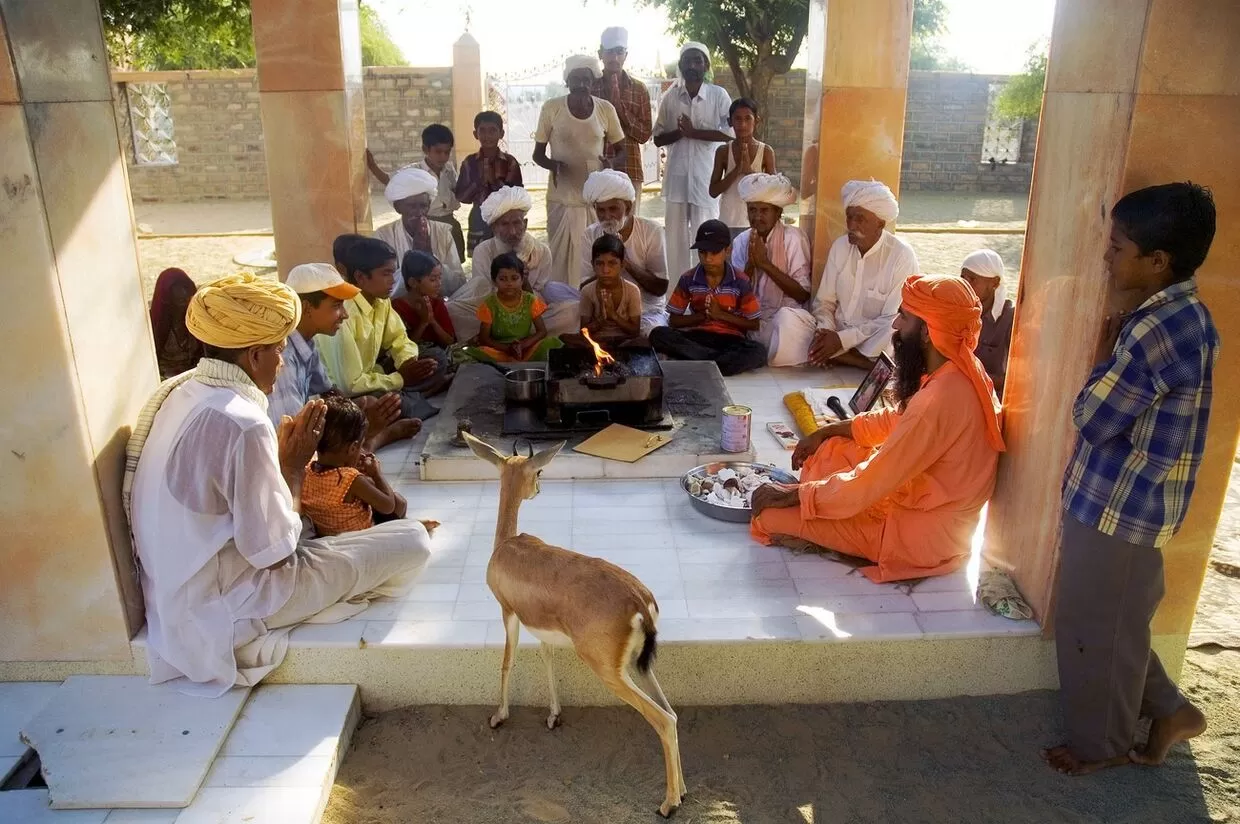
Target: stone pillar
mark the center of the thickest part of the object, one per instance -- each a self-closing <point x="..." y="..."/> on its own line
<point x="78" y="362"/>
<point x="855" y="90"/>
<point x="314" y="124"/>
<point x="1138" y="92"/>
<point x="468" y="93"/>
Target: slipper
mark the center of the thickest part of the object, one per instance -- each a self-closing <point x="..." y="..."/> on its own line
<point x="1000" y="595"/>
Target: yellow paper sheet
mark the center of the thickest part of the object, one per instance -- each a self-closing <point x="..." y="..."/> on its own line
<point x="622" y="443"/>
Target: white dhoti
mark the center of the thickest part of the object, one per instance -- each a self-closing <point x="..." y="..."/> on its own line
<point x="566" y="224"/>
<point x="652" y="320"/>
<point x="681" y="221"/>
<point x="792" y="332"/>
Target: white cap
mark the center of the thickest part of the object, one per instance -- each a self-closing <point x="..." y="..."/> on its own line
<point x="319" y="277"/>
<point x="615" y="37"/>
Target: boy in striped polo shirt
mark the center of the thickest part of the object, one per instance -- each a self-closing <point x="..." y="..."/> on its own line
<point x="1141" y="427"/>
<point x="712" y="309"/>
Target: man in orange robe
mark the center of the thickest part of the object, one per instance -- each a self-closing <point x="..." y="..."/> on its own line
<point x="902" y="488"/>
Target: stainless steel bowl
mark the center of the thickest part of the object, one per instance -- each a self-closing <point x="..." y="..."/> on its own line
<point x="525" y="385"/>
<point x="727" y="513"/>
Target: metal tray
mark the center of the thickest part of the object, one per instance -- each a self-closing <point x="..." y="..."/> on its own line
<point x="727" y="513"/>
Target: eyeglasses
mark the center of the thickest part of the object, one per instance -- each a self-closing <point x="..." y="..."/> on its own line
<point x="619" y="51"/>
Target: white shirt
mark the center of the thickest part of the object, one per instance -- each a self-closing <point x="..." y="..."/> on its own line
<point x="797" y="258"/>
<point x="211" y="514"/>
<point x="535" y="254"/>
<point x="577" y="141"/>
<point x="443" y="247"/>
<point x="860" y="296"/>
<point x="444" y="203"/>
<point x="690" y="162"/>
<point x="645" y="245"/>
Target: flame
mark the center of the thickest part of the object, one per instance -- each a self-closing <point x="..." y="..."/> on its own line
<point x="601" y="356"/>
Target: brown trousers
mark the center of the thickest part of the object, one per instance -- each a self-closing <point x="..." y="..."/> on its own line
<point x="1109" y="677"/>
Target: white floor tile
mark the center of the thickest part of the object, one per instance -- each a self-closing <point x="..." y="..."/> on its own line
<point x="730" y="629"/>
<point x="32" y="807"/>
<point x="810" y="568"/>
<point x="591" y="540"/>
<point x="956" y="582"/>
<point x="476" y="592"/>
<point x="432" y="592"/>
<point x="270" y="771"/>
<point x="249" y="805"/>
<point x="440" y="575"/>
<point x="347" y="634"/>
<point x="823" y="625"/>
<point x="476" y="611"/>
<point x="726" y="552"/>
<point x="861" y="603"/>
<point x="450" y="634"/>
<point x="771" y="570"/>
<point x="941" y="601"/>
<point x="847" y="585"/>
<point x="620" y="514"/>
<point x="742" y="607"/>
<point x="626" y="557"/>
<point x="973" y="623"/>
<point x="408" y="611"/>
<point x="714" y="590"/>
<point x="142" y="817"/>
<point x="19" y="702"/>
<point x="300" y="720"/>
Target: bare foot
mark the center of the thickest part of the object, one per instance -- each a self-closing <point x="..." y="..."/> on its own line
<point x="401" y="430"/>
<point x="431" y="526"/>
<point x="1185" y="723"/>
<point x="1063" y="761"/>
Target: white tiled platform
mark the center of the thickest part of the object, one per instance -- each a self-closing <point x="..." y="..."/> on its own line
<point x="278" y="763"/>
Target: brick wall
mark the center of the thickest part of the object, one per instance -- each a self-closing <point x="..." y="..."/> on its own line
<point x="784" y="118"/>
<point x="400" y="103"/>
<point x="944" y="121"/>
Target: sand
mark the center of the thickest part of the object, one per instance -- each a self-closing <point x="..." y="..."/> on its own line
<point x="965" y="759"/>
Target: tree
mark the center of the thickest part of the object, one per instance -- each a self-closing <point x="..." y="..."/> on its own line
<point x="1021" y="98"/>
<point x="207" y="34"/>
<point x="926" y="53"/>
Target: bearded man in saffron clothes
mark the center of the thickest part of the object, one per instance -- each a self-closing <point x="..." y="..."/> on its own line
<point x="902" y="487"/>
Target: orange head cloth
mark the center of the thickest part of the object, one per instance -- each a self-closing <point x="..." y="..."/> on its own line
<point x="954" y="316"/>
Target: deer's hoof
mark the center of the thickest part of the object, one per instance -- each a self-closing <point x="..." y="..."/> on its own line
<point x="497" y="720"/>
<point x="667" y="810"/>
<point x="553" y="721"/>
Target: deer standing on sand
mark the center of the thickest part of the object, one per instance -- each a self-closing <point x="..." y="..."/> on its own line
<point x="567" y="599"/>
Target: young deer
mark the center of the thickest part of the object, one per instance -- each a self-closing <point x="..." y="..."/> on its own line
<point x="568" y="599"/>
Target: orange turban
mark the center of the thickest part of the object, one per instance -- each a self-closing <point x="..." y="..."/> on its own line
<point x="954" y="316"/>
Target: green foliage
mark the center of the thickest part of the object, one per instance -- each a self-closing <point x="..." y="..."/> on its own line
<point x="1021" y="98"/>
<point x="926" y="52"/>
<point x="929" y="19"/>
<point x="156" y="35"/>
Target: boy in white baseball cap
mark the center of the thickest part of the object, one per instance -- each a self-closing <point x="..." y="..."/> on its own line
<point x="323" y="294"/>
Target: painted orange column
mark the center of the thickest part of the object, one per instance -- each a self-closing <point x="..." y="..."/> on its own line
<point x="79" y="362"/>
<point x="314" y="124"/>
<point x="855" y="91"/>
<point x="1161" y="102"/>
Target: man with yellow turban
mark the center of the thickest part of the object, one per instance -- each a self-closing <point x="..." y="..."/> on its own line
<point x="213" y="495"/>
<point x="410" y="191"/>
<point x="902" y="488"/>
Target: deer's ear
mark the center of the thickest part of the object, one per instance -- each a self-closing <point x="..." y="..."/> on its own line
<point x="484" y="450"/>
<point x="545" y="457"/>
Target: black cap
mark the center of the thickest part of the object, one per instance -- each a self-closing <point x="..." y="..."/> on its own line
<point x="713" y="236"/>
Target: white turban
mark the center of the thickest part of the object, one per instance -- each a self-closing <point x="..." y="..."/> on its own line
<point x="984" y="262"/>
<point x="615" y="37"/>
<point x="776" y="190"/>
<point x="582" y="61"/>
<point x="873" y="197"/>
<point x="608" y="184"/>
<point x="410" y="182"/>
<point x="507" y="199"/>
<point x="692" y="44"/>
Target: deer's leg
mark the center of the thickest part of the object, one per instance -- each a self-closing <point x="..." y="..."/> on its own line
<point x="615" y="677"/>
<point x="553" y="720"/>
<point x="512" y="629"/>
<point x="656" y="693"/>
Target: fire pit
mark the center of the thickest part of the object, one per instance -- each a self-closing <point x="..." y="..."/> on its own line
<point x="624" y="386"/>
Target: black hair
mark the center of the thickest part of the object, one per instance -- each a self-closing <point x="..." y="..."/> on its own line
<point x="607" y="244"/>
<point x="314" y="298"/>
<point x="437" y="134"/>
<point x="365" y="255"/>
<point x="1176" y="218"/>
<point x="344" y="424"/>
<point x="488" y="117"/>
<point x="417" y="264"/>
<point x="341" y="245"/>
<point x="221" y="354"/>
<point x="742" y="103"/>
<point x="508" y="260"/>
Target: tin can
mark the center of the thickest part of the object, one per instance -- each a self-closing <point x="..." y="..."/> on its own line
<point x="735" y="430"/>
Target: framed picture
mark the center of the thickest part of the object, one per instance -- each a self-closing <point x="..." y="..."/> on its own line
<point x="872" y="387"/>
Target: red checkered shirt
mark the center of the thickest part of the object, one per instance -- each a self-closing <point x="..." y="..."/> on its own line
<point x="633" y="106"/>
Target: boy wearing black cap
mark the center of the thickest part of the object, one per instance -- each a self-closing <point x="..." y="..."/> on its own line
<point x="712" y="308"/>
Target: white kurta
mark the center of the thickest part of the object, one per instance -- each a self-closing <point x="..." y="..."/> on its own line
<point x="221" y="550"/>
<point x="858" y="298"/>
<point x="443" y="247"/>
<point x="645" y="246"/>
<point x="562" y="300"/>
<point x="795" y="261"/>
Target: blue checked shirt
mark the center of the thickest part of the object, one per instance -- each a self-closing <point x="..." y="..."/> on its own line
<point x="1141" y="421"/>
<point x="302" y="377"/>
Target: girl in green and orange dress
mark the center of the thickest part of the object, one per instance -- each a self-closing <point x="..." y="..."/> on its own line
<point x="511" y="318"/>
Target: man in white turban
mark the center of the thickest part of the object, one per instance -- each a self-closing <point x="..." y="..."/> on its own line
<point x="506" y="212"/>
<point x="692" y="122"/>
<point x="410" y="192"/>
<point x="983" y="271"/>
<point x="632" y="102"/>
<point x="849" y="322"/>
<point x="774" y="255"/>
<point x="574" y="133"/>
<point x="613" y="198"/>
<point x="212" y="491"/>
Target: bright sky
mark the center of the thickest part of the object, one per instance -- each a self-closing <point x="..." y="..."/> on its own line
<point x="992" y="36"/>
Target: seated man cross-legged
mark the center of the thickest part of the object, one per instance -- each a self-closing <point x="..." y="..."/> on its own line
<point x="851" y="315"/>
<point x="902" y="488"/>
<point x="213" y="493"/>
<point x="712" y="309"/>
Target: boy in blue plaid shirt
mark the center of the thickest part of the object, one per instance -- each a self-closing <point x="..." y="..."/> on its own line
<point x="1141" y="427"/>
